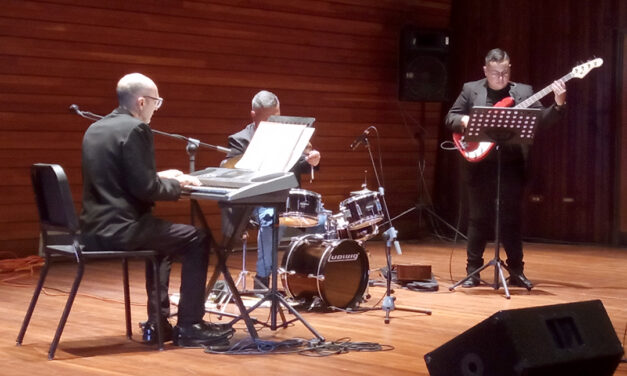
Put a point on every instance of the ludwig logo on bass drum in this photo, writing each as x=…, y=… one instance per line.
x=346, y=257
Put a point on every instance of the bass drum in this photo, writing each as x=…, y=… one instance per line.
x=336, y=271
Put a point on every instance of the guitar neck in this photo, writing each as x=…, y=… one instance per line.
x=540, y=94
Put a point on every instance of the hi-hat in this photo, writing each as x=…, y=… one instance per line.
x=361, y=192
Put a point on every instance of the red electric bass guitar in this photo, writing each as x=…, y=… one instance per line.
x=476, y=151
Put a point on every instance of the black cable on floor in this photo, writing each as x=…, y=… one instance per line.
x=314, y=347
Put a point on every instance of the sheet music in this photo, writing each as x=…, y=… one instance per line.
x=275, y=147
x=502, y=124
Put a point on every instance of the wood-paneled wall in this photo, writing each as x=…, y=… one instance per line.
x=333, y=60
x=571, y=191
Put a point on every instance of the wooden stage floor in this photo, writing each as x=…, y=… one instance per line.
x=94, y=343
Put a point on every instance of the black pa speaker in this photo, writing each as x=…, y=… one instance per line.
x=423, y=66
x=575, y=339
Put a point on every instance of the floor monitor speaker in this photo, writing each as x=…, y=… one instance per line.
x=573, y=339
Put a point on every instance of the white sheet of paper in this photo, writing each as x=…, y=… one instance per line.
x=275, y=147
x=300, y=147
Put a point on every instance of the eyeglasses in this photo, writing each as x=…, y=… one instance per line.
x=159, y=100
x=499, y=74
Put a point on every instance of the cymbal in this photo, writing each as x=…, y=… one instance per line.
x=361, y=192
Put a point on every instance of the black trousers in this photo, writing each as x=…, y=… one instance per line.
x=191, y=246
x=482, y=195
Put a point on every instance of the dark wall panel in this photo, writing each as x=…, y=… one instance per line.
x=572, y=164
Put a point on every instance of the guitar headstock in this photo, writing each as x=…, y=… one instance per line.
x=581, y=70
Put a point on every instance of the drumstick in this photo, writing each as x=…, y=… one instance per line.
x=411, y=309
x=308, y=150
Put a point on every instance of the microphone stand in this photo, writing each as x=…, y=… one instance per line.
x=192, y=143
x=192, y=147
x=390, y=237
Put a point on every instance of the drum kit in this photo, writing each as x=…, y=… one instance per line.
x=332, y=267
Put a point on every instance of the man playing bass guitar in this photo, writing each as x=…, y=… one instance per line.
x=481, y=172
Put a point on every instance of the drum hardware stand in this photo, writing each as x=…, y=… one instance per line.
x=240, y=215
x=366, y=296
x=316, y=301
x=426, y=203
x=274, y=297
x=390, y=236
x=388, y=301
x=429, y=210
x=486, y=129
x=428, y=207
x=226, y=293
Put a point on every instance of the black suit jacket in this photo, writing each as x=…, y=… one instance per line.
x=514, y=156
x=239, y=141
x=120, y=183
x=475, y=94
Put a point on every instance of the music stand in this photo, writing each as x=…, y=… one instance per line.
x=500, y=125
x=308, y=121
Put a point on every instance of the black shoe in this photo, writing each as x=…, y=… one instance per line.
x=471, y=267
x=149, y=332
x=519, y=280
x=471, y=282
x=202, y=334
x=222, y=326
x=261, y=283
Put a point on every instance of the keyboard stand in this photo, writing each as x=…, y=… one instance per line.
x=239, y=218
x=239, y=215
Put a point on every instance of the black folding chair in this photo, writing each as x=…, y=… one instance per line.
x=57, y=215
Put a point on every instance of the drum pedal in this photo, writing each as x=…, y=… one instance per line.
x=315, y=303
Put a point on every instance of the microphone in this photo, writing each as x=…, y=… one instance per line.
x=85, y=114
x=361, y=138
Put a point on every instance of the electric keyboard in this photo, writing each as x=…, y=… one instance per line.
x=241, y=186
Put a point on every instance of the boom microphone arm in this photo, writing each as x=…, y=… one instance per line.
x=192, y=143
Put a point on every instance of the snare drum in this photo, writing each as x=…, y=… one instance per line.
x=362, y=210
x=301, y=209
x=342, y=227
x=335, y=271
x=363, y=233
x=336, y=227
